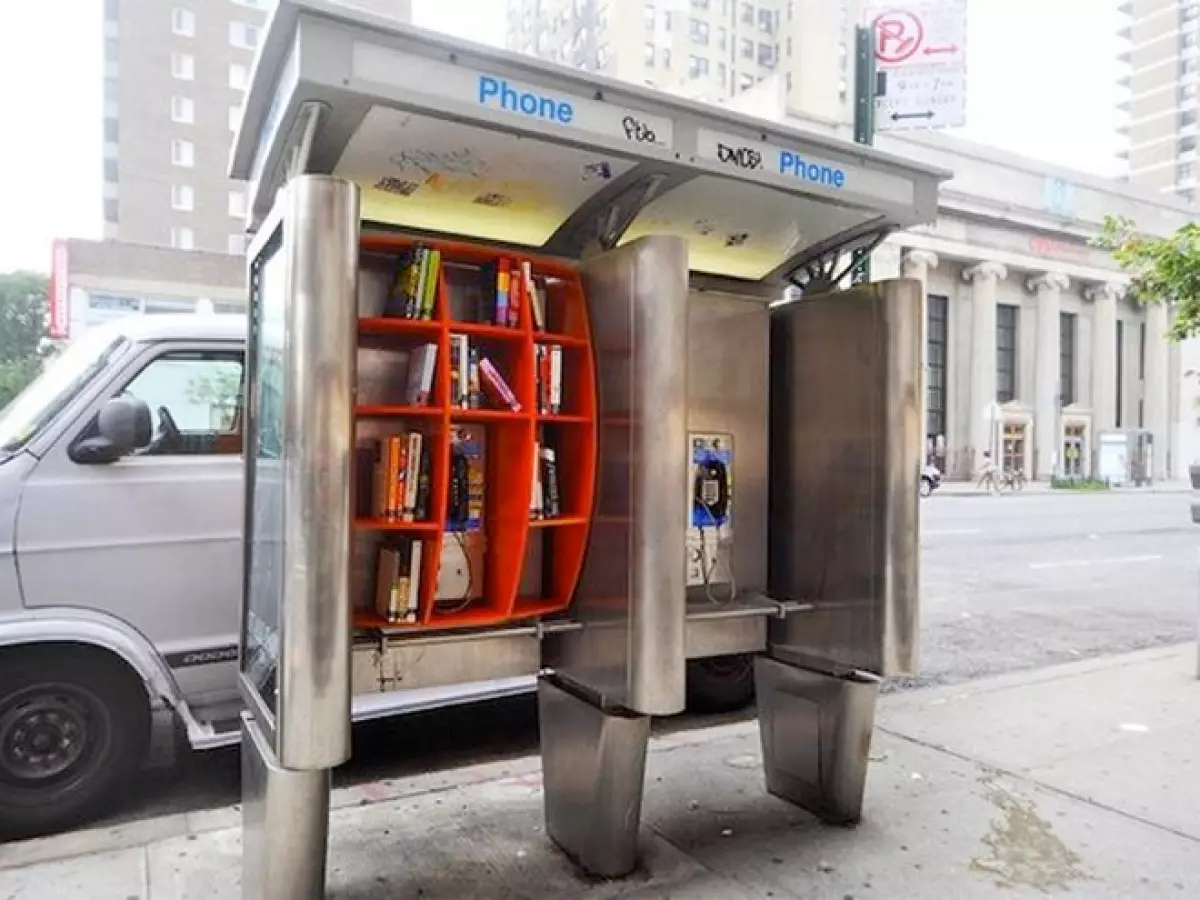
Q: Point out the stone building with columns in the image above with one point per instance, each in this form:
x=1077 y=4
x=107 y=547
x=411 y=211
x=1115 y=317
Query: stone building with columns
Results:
x=1033 y=348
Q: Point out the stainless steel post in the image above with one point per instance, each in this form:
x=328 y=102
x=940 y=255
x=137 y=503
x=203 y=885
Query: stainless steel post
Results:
x=296 y=635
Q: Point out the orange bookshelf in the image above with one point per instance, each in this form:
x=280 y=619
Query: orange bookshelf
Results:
x=517 y=548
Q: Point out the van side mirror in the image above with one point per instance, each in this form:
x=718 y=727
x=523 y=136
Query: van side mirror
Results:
x=123 y=425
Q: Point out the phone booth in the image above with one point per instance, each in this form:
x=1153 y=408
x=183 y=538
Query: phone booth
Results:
x=533 y=395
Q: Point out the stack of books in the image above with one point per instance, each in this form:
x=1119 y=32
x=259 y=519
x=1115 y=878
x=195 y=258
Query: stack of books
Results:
x=470 y=371
x=400 y=477
x=398 y=581
x=414 y=286
x=549 y=363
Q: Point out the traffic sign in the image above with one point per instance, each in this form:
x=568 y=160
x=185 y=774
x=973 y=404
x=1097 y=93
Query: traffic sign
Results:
x=920 y=46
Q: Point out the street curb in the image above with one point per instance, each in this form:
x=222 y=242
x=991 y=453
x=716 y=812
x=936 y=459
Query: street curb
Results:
x=107 y=839
x=1052 y=492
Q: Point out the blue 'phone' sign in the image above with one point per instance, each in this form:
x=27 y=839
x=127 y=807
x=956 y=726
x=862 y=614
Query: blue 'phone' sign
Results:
x=497 y=93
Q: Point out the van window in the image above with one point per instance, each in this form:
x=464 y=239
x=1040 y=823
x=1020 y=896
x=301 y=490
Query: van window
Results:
x=195 y=401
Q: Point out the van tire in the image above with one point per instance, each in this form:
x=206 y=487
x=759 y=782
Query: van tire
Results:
x=720 y=684
x=74 y=727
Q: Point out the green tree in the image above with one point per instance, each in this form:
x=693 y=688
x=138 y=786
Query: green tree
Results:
x=23 y=343
x=1161 y=270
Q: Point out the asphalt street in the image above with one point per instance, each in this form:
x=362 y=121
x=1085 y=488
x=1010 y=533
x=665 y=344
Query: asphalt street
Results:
x=1009 y=582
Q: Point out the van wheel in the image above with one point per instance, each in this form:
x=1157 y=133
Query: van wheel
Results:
x=74 y=725
x=720 y=684
x=926 y=487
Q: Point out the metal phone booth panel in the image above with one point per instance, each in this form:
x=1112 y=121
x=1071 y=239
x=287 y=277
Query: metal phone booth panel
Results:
x=679 y=228
x=294 y=676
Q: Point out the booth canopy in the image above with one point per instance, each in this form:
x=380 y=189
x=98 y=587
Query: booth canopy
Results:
x=451 y=138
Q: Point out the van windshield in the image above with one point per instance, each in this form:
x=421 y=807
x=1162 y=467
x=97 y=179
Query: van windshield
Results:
x=64 y=376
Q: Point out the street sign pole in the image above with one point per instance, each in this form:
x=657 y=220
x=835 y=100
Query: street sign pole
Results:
x=865 y=91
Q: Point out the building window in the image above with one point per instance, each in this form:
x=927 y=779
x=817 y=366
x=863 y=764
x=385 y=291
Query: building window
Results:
x=699 y=31
x=1006 y=353
x=747 y=48
x=766 y=55
x=1188 y=39
x=237 y=244
x=1184 y=171
x=766 y=20
x=748 y=13
x=937 y=332
x=243 y=35
x=183 y=66
x=183 y=198
x=648 y=55
x=745 y=81
x=112 y=129
x=237 y=204
x=1120 y=373
x=1066 y=357
x=1187 y=117
x=238 y=76
x=183 y=22
x=665 y=56
x=1188 y=66
x=1142 y=352
x=182 y=238
x=722 y=38
x=648 y=14
x=183 y=110
x=110 y=210
x=722 y=75
x=110 y=171
x=1188 y=91
x=183 y=154
x=699 y=4
x=697 y=67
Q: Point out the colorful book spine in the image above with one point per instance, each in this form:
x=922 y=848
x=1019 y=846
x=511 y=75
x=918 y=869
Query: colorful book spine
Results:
x=503 y=282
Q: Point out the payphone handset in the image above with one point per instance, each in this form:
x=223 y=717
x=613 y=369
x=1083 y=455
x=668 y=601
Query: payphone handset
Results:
x=710 y=532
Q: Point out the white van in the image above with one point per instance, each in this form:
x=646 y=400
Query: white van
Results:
x=121 y=568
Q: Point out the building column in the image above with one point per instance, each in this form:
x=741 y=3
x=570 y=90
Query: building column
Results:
x=983 y=278
x=1047 y=439
x=917 y=264
x=1155 y=387
x=1104 y=299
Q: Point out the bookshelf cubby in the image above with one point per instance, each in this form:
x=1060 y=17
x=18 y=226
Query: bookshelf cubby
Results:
x=531 y=562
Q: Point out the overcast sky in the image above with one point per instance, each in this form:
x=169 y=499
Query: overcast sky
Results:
x=1023 y=95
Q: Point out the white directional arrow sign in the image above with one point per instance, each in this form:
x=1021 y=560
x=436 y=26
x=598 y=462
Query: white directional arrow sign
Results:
x=920 y=46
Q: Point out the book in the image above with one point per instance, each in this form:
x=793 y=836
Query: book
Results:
x=391 y=469
x=414 y=284
x=412 y=476
x=460 y=370
x=421 y=366
x=491 y=377
x=537 y=303
x=551 y=502
x=535 y=494
x=548 y=372
x=503 y=281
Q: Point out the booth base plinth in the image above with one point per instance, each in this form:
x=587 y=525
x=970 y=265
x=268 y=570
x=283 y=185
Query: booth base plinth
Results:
x=593 y=773
x=285 y=824
x=816 y=737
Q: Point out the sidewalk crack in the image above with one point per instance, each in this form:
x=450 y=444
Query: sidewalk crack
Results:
x=1043 y=785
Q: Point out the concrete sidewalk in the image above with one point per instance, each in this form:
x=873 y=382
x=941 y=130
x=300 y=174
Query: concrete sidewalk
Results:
x=1077 y=781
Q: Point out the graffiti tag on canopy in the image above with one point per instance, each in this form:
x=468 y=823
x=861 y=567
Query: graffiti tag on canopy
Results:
x=461 y=161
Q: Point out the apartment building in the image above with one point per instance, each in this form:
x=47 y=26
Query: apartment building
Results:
x=175 y=72
x=708 y=50
x=1162 y=59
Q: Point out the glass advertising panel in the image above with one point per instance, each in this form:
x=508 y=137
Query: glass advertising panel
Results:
x=266 y=457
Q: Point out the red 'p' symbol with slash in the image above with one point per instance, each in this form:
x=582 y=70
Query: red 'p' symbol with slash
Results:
x=898 y=35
